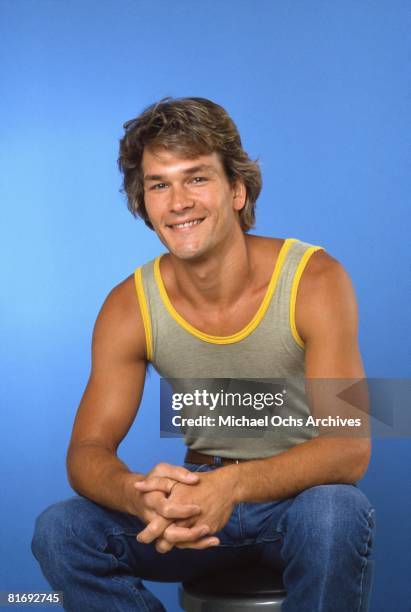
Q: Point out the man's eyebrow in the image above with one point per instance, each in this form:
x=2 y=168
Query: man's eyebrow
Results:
x=199 y=168
x=186 y=171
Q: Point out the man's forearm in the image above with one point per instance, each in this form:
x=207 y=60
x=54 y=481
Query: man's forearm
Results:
x=97 y=473
x=318 y=461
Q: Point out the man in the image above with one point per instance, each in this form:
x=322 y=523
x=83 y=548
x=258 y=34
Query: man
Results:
x=220 y=304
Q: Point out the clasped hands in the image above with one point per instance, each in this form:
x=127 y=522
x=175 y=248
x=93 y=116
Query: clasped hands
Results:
x=184 y=509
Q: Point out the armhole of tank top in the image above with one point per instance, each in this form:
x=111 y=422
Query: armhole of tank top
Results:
x=294 y=288
x=145 y=315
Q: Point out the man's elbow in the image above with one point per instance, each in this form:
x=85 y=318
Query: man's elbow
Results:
x=360 y=456
x=78 y=461
x=71 y=464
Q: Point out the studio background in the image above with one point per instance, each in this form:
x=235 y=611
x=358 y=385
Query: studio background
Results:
x=319 y=91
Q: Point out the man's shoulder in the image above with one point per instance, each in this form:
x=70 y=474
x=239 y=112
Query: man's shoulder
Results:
x=123 y=295
x=323 y=271
x=325 y=294
x=264 y=242
x=119 y=320
x=120 y=308
x=320 y=263
x=264 y=249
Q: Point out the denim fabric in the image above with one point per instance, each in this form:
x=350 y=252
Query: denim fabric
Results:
x=321 y=539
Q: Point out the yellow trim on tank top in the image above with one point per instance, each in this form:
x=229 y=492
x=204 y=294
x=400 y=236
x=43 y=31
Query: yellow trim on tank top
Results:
x=294 y=288
x=145 y=315
x=250 y=327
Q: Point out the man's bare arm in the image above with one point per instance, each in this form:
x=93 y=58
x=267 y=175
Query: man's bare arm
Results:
x=327 y=320
x=108 y=409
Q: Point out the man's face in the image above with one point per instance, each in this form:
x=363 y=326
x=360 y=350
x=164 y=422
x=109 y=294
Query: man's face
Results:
x=190 y=202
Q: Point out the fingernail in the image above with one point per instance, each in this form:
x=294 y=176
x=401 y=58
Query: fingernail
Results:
x=191 y=476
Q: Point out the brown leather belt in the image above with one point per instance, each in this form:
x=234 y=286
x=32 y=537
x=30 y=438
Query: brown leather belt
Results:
x=193 y=456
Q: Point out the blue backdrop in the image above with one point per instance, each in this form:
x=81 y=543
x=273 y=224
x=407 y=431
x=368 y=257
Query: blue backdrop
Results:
x=319 y=92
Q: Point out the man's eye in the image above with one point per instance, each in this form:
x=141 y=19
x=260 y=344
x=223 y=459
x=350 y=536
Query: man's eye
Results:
x=199 y=179
x=159 y=186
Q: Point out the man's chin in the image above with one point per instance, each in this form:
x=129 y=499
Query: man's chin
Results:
x=188 y=253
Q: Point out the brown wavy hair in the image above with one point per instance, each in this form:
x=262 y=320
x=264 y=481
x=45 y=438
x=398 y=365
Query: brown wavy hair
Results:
x=188 y=127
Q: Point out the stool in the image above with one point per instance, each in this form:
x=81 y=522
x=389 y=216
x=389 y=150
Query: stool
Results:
x=242 y=590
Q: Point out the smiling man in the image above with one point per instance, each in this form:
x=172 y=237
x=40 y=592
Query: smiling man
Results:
x=221 y=303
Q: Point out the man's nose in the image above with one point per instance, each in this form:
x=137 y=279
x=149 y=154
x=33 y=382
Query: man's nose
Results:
x=180 y=199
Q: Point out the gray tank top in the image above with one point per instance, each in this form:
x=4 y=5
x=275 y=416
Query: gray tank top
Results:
x=268 y=347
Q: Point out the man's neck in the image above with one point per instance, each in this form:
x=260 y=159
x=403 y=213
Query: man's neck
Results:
x=217 y=280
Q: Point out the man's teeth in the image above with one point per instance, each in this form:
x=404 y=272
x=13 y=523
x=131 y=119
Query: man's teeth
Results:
x=188 y=223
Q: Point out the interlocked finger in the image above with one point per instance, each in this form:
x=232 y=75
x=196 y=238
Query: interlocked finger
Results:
x=163 y=545
x=156 y=483
x=175 y=534
x=153 y=530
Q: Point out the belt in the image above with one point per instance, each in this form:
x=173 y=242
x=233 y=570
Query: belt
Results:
x=193 y=456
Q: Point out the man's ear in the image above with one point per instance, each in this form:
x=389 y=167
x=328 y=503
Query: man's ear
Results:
x=239 y=195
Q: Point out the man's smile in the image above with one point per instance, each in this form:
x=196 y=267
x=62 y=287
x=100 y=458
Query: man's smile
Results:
x=185 y=225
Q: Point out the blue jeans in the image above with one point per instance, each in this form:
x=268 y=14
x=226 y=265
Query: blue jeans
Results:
x=321 y=539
